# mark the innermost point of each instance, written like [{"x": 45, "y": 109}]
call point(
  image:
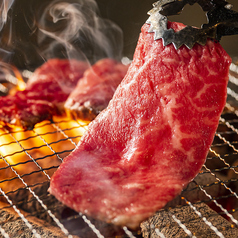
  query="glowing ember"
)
[
  {"x": 11, "y": 79},
  {"x": 41, "y": 148}
]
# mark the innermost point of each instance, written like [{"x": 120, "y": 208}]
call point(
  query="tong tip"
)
[{"x": 221, "y": 21}]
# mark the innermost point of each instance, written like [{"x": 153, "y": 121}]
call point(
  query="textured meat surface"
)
[
  {"x": 63, "y": 73},
  {"x": 95, "y": 89},
  {"x": 153, "y": 137},
  {"x": 45, "y": 93}
]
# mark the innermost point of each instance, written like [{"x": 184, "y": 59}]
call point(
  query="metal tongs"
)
[{"x": 221, "y": 21}]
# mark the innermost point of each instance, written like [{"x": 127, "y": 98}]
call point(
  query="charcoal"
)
[
  {"x": 232, "y": 202},
  {"x": 14, "y": 226},
  {"x": 25, "y": 200},
  {"x": 195, "y": 191},
  {"x": 75, "y": 223},
  {"x": 165, "y": 223}
]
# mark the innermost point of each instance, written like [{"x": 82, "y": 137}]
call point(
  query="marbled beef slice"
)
[
  {"x": 154, "y": 136},
  {"x": 94, "y": 91}
]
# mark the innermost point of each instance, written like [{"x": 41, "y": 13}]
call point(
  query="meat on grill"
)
[
  {"x": 45, "y": 93},
  {"x": 95, "y": 89},
  {"x": 153, "y": 137}
]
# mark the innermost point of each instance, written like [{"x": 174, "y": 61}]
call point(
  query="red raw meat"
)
[
  {"x": 66, "y": 73},
  {"x": 95, "y": 89},
  {"x": 153, "y": 137},
  {"x": 45, "y": 93}
]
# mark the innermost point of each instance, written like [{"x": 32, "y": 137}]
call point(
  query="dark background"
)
[
  {"x": 131, "y": 14},
  {"x": 20, "y": 38}
]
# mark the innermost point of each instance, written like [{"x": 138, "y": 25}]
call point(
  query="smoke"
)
[
  {"x": 36, "y": 31},
  {"x": 5, "y": 5},
  {"x": 74, "y": 29}
]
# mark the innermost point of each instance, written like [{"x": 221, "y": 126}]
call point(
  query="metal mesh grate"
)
[{"x": 28, "y": 159}]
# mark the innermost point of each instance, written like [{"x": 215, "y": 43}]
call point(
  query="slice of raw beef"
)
[
  {"x": 153, "y": 137},
  {"x": 95, "y": 89},
  {"x": 45, "y": 93}
]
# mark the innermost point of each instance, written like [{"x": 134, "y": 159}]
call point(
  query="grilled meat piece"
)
[
  {"x": 45, "y": 93},
  {"x": 95, "y": 89},
  {"x": 153, "y": 137}
]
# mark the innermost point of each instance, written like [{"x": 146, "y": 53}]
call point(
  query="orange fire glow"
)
[
  {"x": 34, "y": 155},
  {"x": 18, "y": 147},
  {"x": 14, "y": 77}
]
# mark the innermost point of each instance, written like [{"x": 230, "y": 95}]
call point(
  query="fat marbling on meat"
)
[{"x": 153, "y": 137}]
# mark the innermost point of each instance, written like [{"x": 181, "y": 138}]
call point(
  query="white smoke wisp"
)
[
  {"x": 77, "y": 26},
  {"x": 5, "y": 5}
]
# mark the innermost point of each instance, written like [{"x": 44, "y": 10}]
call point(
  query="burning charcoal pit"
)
[{"x": 24, "y": 185}]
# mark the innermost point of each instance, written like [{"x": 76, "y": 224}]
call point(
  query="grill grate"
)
[{"x": 28, "y": 159}]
